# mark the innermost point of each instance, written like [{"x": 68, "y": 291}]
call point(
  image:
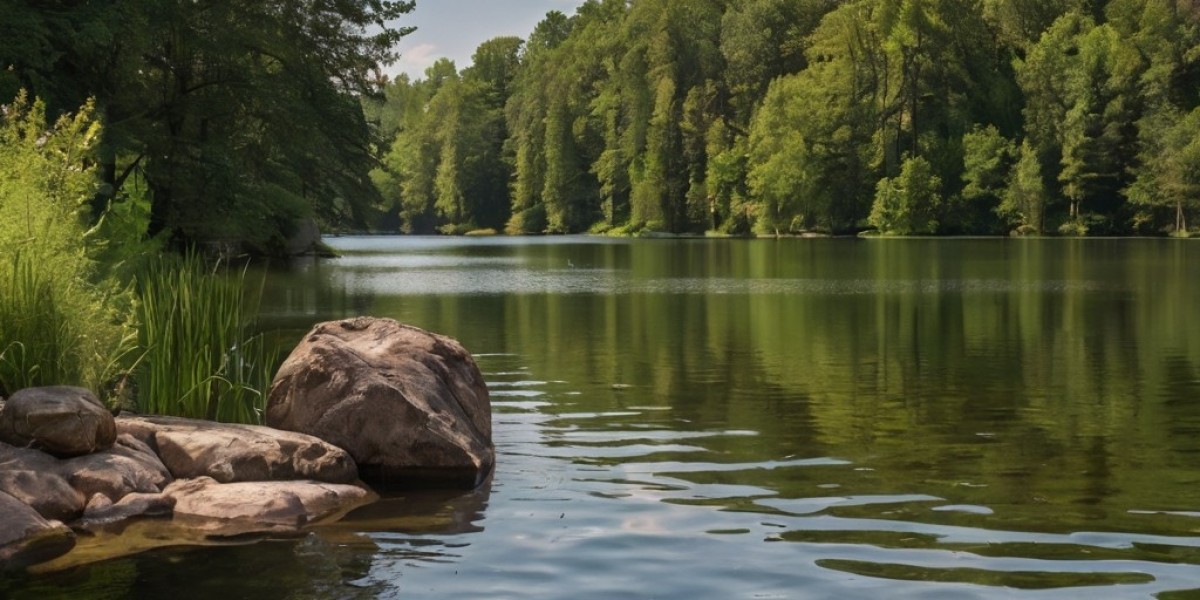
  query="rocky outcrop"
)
[
  {"x": 199, "y": 479},
  {"x": 237, "y": 453},
  {"x": 408, "y": 405},
  {"x": 63, "y": 421}
]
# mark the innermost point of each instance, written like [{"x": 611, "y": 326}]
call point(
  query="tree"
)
[
  {"x": 1024, "y": 202},
  {"x": 1081, "y": 84},
  {"x": 988, "y": 159},
  {"x": 1169, "y": 175},
  {"x": 908, "y": 204},
  {"x": 239, "y": 117}
]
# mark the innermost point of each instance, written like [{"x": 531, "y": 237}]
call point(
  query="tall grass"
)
[
  {"x": 202, "y": 356},
  {"x": 67, "y": 311},
  {"x": 50, "y": 334},
  {"x": 61, "y": 321}
]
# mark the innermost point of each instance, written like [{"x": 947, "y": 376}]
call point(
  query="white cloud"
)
[{"x": 418, "y": 58}]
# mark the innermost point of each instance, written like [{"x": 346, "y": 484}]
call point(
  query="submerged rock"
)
[
  {"x": 102, "y": 511},
  {"x": 410, "y": 406},
  {"x": 63, "y": 421},
  {"x": 235, "y": 453},
  {"x": 26, "y": 538}
]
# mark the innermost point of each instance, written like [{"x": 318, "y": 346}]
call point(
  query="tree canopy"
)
[
  {"x": 788, "y": 116},
  {"x": 235, "y": 118}
]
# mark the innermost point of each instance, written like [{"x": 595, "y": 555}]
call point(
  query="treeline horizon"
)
[{"x": 744, "y": 117}]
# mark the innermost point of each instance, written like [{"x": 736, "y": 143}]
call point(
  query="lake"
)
[{"x": 900, "y": 418}]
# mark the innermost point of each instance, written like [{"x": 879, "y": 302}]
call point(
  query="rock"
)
[
  {"x": 227, "y": 509},
  {"x": 32, "y": 477},
  {"x": 63, "y": 421},
  {"x": 235, "y": 453},
  {"x": 409, "y": 406},
  {"x": 26, "y": 538},
  {"x": 101, "y": 511},
  {"x": 130, "y": 466}
]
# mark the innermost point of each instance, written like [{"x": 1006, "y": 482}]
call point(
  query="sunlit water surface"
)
[{"x": 765, "y": 419}]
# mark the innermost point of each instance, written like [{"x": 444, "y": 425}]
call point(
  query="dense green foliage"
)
[
  {"x": 202, "y": 357},
  {"x": 60, "y": 319},
  {"x": 782, "y": 116},
  {"x": 237, "y": 118},
  {"x": 85, "y": 306}
]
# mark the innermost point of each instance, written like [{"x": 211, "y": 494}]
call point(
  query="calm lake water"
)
[{"x": 766, "y": 419}]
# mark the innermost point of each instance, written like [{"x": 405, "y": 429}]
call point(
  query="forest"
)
[
  {"x": 217, "y": 120},
  {"x": 776, "y": 117},
  {"x": 233, "y": 121}
]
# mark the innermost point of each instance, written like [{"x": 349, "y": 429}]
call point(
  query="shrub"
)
[
  {"x": 60, "y": 322},
  {"x": 908, "y": 204}
]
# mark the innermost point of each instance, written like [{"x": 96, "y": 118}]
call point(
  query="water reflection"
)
[{"x": 779, "y": 419}]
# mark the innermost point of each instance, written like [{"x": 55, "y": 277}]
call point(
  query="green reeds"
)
[
  {"x": 203, "y": 358},
  {"x": 56, "y": 329}
]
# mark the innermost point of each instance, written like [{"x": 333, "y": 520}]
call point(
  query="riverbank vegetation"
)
[
  {"x": 140, "y": 129},
  {"x": 233, "y": 121},
  {"x": 785, "y": 116},
  {"x": 102, "y": 307}
]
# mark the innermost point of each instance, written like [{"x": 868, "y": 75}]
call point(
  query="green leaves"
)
[
  {"x": 908, "y": 204},
  {"x": 59, "y": 320},
  {"x": 783, "y": 116}
]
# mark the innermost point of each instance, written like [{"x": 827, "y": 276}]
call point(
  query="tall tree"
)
[{"x": 239, "y": 117}]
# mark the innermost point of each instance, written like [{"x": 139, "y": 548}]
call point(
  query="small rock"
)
[
  {"x": 32, "y": 477},
  {"x": 28, "y": 539},
  {"x": 409, "y": 406},
  {"x": 306, "y": 238},
  {"x": 63, "y": 421},
  {"x": 128, "y": 467},
  {"x": 102, "y": 512}
]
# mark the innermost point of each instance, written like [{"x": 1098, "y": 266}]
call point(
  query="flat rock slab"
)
[
  {"x": 231, "y": 509},
  {"x": 239, "y": 453},
  {"x": 102, "y": 512},
  {"x": 410, "y": 406},
  {"x": 63, "y": 421}
]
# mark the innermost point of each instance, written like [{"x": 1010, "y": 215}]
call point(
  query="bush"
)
[
  {"x": 908, "y": 204},
  {"x": 60, "y": 321}
]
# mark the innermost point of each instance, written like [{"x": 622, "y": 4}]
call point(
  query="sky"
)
[{"x": 454, "y": 28}]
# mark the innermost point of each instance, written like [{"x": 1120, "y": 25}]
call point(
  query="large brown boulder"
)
[
  {"x": 26, "y": 538},
  {"x": 410, "y": 406},
  {"x": 64, "y": 421},
  {"x": 233, "y": 453}
]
